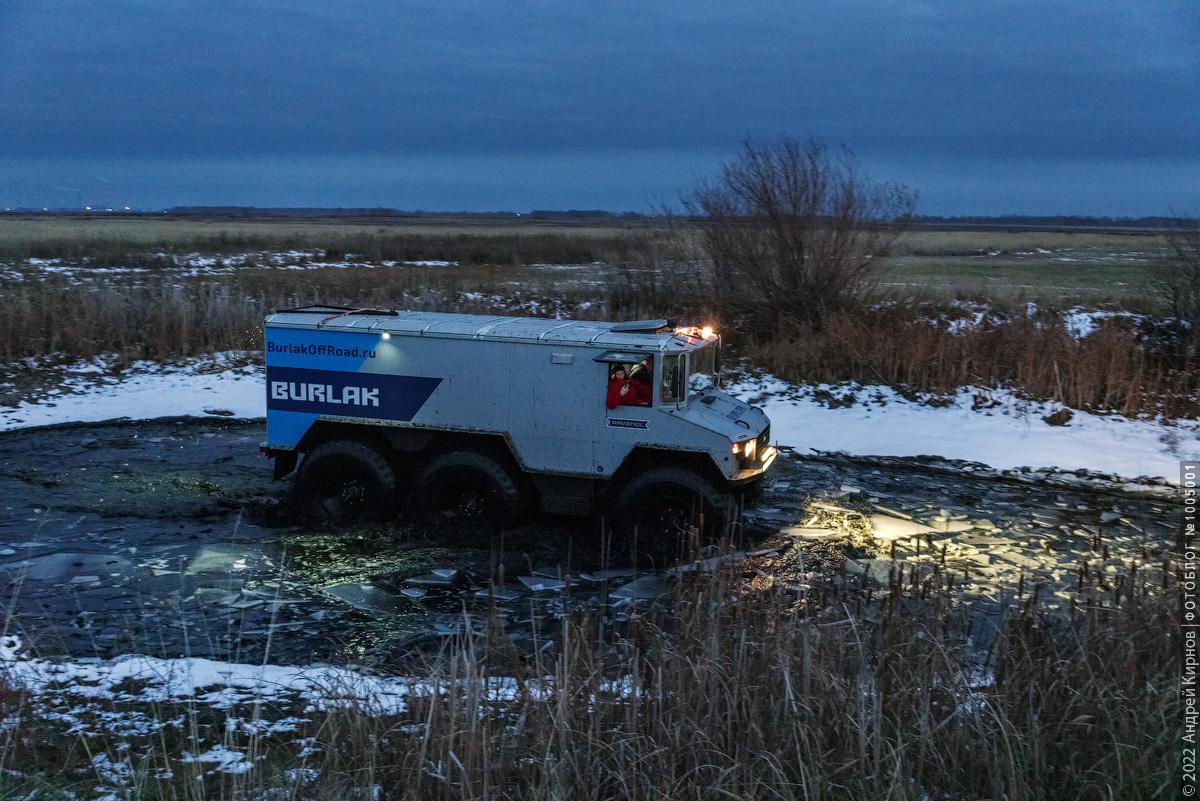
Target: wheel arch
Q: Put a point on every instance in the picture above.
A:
(323, 431)
(643, 458)
(425, 442)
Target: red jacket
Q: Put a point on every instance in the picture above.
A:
(639, 394)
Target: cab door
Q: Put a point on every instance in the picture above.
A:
(628, 424)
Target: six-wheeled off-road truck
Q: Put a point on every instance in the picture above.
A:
(458, 413)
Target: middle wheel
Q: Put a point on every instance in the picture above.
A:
(470, 485)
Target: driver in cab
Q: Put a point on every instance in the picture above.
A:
(624, 391)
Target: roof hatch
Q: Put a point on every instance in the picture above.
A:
(642, 327)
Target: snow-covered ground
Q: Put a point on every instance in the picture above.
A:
(992, 427)
(221, 685)
(136, 696)
(962, 317)
(197, 264)
(1081, 323)
(221, 385)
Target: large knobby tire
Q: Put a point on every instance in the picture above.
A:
(470, 486)
(667, 504)
(348, 481)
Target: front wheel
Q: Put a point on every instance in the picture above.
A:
(667, 504)
(348, 481)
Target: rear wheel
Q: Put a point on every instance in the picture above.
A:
(470, 486)
(348, 481)
(667, 504)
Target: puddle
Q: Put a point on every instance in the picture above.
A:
(182, 569)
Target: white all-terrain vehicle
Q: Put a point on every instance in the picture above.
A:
(502, 415)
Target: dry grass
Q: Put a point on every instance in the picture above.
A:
(1120, 367)
(733, 694)
(140, 241)
(160, 315)
(163, 319)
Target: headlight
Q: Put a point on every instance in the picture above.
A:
(744, 449)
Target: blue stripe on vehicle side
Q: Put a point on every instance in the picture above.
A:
(283, 347)
(333, 392)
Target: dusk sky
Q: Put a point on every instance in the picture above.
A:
(990, 107)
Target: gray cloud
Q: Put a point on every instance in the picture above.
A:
(143, 83)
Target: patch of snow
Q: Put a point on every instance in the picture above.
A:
(559, 267)
(116, 772)
(146, 390)
(1009, 434)
(1082, 322)
(226, 759)
(963, 324)
(221, 685)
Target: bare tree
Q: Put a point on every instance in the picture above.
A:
(794, 231)
(1177, 277)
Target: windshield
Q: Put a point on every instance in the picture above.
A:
(702, 368)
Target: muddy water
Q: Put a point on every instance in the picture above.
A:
(169, 538)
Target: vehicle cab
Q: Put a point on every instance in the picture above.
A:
(687, 409)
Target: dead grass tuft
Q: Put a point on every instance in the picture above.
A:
(730, 694)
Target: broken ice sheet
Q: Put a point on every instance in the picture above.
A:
(539, 584)
(647, 588)
(825, 506)
(887, 510)
(224, 559)
(886, 527)
(436, 578)
(366, 597)
(813, 533)
(502, 593)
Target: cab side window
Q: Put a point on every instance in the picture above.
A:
(673, 389)
(630, 384)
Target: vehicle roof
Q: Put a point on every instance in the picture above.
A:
(585, 333)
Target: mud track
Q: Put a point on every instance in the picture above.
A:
(168, 538)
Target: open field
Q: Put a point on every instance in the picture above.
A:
(1049, 266)
(1015, 309)
(1055, 266)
